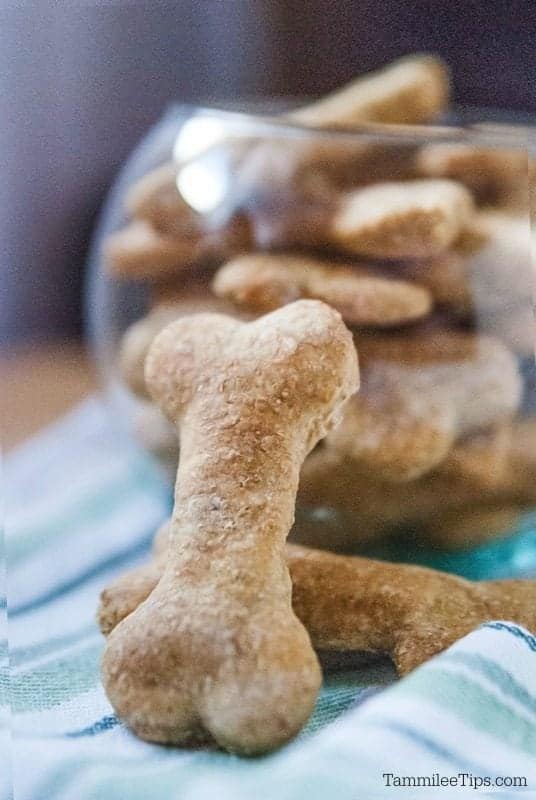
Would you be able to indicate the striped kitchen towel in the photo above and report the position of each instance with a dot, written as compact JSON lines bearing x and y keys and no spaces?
{"x":83,"y":506}
{"x":5,"y":726}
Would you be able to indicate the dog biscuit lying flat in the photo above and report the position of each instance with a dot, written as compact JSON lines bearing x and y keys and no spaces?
{"x":481,"y":459}
{"x":349,"y":603}
{"x":418,"y":396}
{"x":446,"y":278}
{"x":412,"y":219}
{"x":492,"y":174}
{"x":409,"y":91}
{"x":447,"y":275}
{"x":139,"y":251}
{"x":329,"y":479}
{"x":412,"y":90}
{"x":264,"y":281}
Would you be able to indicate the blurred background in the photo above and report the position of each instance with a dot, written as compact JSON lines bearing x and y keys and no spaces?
{"x":82,"y":81}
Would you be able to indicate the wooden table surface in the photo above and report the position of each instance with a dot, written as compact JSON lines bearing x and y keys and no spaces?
{"x":39,"y":383}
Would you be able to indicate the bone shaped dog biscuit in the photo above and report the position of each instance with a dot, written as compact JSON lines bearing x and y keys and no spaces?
{"x":350,"y":603}
{"x":408,"y":91}
{"x":419,"y":396}
{"x":398,"y":220}
{"x":330,"y":479}
{"x":139,"y":251}
{"x":265,"y":281}
{"x":216,"y":651}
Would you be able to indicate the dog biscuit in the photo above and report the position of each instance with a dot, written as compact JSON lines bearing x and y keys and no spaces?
{"x":265,"y":281}
{"x":402,"y":220}
{"x":348,"y":603}
{"x":215,"y":652}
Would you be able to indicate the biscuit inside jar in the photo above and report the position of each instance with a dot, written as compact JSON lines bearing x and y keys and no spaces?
{"x":422,"y":245}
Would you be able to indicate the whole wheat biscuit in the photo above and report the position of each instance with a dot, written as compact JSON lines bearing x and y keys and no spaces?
{"x":348,"y":603}
{"x":488,"y":274}
{"x":493,"y":174}
{"x":411,"y":90}
{"x":481,"y":459}
{"x":216,"y":652}
{"x":156,"y":199}
{"x":373,"y":507}
{"x":446,"y":278}
{"x":139,"y":251}
{"x":402,"y":220}
{"x":264,"y":281}
{"x":420,"y":395}
{"x":138,"y":337}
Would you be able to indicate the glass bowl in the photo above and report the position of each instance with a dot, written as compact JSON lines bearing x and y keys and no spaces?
{"x":421,"y":237}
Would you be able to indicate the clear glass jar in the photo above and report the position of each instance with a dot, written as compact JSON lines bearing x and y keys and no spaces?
{"x":421,"y":237}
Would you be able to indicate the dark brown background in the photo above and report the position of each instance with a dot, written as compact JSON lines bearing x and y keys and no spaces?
{"x":81,"y":81}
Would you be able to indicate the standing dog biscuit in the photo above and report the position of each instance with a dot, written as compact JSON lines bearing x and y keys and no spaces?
{"x":216,"y":651}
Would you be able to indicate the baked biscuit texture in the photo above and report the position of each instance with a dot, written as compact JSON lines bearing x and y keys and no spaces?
{"x":264,"y":281}
{"x":216,"y":652}
{"x":350,"y":603}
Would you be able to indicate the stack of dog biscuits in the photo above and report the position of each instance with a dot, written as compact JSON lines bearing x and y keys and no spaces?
{"x":421,"y":242}
{"x":215,"y":641}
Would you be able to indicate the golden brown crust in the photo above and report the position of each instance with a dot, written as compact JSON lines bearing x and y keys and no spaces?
{"x":265,"y":281}
{"x":410,"y":91}
{"x":400,"y":220}
{"x":329,"y":479}
{"x":139,"y":251}
{"x":418,"y":396}
{"x":350,"y":603}
{"x":493,"y":175}
{"x":215,"y":651}
{"x":138,"y":337}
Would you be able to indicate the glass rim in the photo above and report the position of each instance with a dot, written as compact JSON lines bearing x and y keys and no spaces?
{"x":513,"y":133}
